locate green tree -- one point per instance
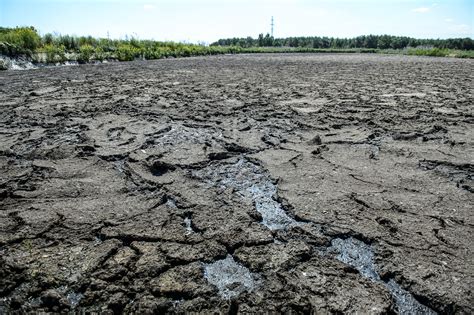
(261, 42)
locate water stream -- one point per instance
(361, 256)
(252, 182)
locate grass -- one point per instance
(437, 52)
(432, 52)
(304, 50)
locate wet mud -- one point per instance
(251, 183)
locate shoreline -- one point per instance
(24, 62)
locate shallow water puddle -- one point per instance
(406, 303)
(357, 254)
(188, 225)
(74, 298)
(252, 182)
(230, 278)
(360, 256)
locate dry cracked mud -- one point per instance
(290, 183)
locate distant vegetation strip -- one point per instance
(420, 51)
(26, 41)
(364, 41)
(387, 44)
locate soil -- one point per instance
(249, 183)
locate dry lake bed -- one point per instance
(276, 182)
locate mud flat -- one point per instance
(250, 183)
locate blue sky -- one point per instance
(209, 20)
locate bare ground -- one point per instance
(328, 183)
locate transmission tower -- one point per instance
(272, 24)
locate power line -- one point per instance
(272, 24)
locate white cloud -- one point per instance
(448, 20)
(421, 10)
(148, 7)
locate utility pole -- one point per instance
(272, 24)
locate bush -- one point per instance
(54, 54)
(434, 52)
(126, 52)
(85, 53)
(100, 54)
(154, 53)
(25, 39)
(10, 50)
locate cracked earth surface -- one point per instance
(250, 183)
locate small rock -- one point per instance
(316, 140)
(52, 298)
(316, 152)
(4, 64)
(319, 150)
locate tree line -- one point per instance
(364, 41)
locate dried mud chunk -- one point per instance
(11, 275)
(117, 266)
(320, 150)
(309, 233)
(159, 224)
(274, 256)
(85, 150)
(118, 134)
(43, 91)
(117, 302)
(99, 254)
(152, 261)
(343, 292)
(319, 285)
(182, 282)
(254, 234)
(316, 140)
(205, 251)
(206, 305)
(148, 305)
(157, 173)
(215, 156)
(53, 300)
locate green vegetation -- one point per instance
(22, 39)
(253, 50)
(364, 42)
(386, 44)
(53, 53)
(437, 52)
(59, 48)
(86, 52)
(433, 52)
